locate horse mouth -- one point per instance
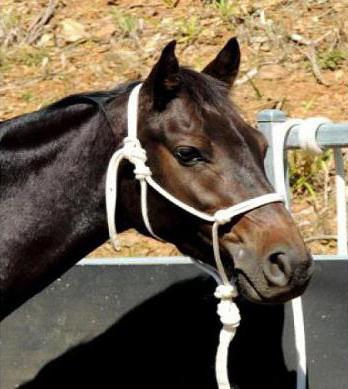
(248, 290)
(245, 285)
(251, 291)
(248, 276)
(253, 282)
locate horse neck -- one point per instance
(52, 207)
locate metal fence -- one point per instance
(330, 135)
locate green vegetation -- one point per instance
(308, 104)
(226, 9)
(306, 171)
(22, 55)
(9, 22)
(26, 55)
(333, 59)
(170, 3)
(27, 96)
(128, 24)
(189, 30)
(4, 65)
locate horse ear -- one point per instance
(163, 80)
(225, 66)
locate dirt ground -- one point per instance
(297, 52)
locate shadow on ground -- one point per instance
(169, 342)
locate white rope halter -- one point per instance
(226, 291)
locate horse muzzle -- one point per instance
(276, 278)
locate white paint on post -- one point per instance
(341, 203)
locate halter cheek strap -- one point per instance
(226, 291)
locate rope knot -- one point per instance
(222, 217)
(142, 171)
(133, 151)
(227, 309)
(225, 292)
(229, 313)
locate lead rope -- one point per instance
(228, 312)
(226, 290)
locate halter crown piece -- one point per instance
(226, 290)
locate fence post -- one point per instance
(267, 121)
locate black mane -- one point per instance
(210, 94)
(98, 98)
(201, 88)
(95, 98)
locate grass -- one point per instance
(189, 30)
(309, 104)
(23, 55)
(306, 171)
(170, 3)
(226, 9)
(4, 63)
(9, 25)
(128, 24)
(333, 59)
(27, 97)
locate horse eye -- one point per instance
(188, 155)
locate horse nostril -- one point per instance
(277, 269)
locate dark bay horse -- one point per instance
(53, 164)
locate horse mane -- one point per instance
(205, 91)
(98, 98)
(33, 123)
(210, 94)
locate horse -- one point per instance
(53, 167)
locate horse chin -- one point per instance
(260, 293)
(250, 283)
(247, 290)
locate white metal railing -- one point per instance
(277, 129)
(328, 135)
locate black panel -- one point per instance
(156, 327)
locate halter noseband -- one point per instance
(136, 154)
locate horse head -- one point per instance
(201, 151)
